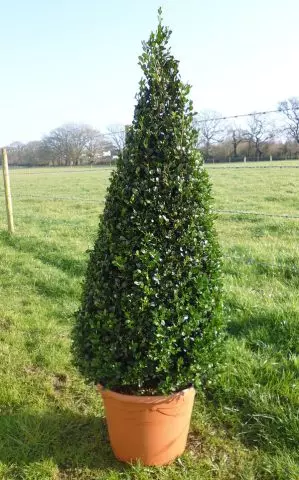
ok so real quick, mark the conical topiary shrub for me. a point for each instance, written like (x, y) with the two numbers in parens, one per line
(150, 319)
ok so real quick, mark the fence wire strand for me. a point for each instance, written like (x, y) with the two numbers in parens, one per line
(60, 198)
(20, 171)
(102, 202)
(261, 214)
(211, 166)
(248, 261)
(253, 261)
(57, 222)
(250, 168)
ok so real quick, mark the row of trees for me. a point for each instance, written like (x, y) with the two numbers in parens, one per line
(261, 136)
(70, 144)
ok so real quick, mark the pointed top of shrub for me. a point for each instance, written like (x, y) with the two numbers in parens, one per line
(150, 317)
(163, 115)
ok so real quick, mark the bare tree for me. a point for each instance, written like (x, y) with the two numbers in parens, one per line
(210, 128)
(259, 130)
(117, 136)
(70, 143)
(236, 136)
(95, 145)
(290, 109)
(16, 151)
(32, 154)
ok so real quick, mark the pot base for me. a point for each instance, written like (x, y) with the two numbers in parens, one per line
(152, 430)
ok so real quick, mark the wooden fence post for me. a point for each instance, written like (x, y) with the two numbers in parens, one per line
(7, 192)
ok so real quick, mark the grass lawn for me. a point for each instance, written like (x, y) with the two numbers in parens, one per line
(245, 426)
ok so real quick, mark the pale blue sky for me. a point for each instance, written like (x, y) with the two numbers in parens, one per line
(72, 60)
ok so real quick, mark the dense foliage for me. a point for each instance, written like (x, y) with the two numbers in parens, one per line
(150, 319)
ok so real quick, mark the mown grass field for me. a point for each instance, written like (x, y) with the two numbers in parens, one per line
(245, 426)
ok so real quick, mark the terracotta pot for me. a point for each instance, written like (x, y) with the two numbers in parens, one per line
(152, 430)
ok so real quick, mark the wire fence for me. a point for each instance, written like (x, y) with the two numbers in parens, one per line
(250, 261)
(20, 170)
(227, 117)
(61, 222)
(251, 114)
(260, 214)
(245, 260)
(96, 201)
(58, 198)
(74, 170)
(117, 137)
(253, 168)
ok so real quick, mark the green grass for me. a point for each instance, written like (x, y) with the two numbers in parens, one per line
(245, 426)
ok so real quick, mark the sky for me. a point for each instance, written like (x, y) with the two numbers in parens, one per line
(77, 61)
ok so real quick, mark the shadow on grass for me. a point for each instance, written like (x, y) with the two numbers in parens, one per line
(70, 440)
(284, 267)
(55, 290)
(282, 229)
(254, 397)
(46, 252)
(285, 270)
(278, 330)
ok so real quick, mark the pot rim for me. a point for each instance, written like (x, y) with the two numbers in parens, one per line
(144, 398)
